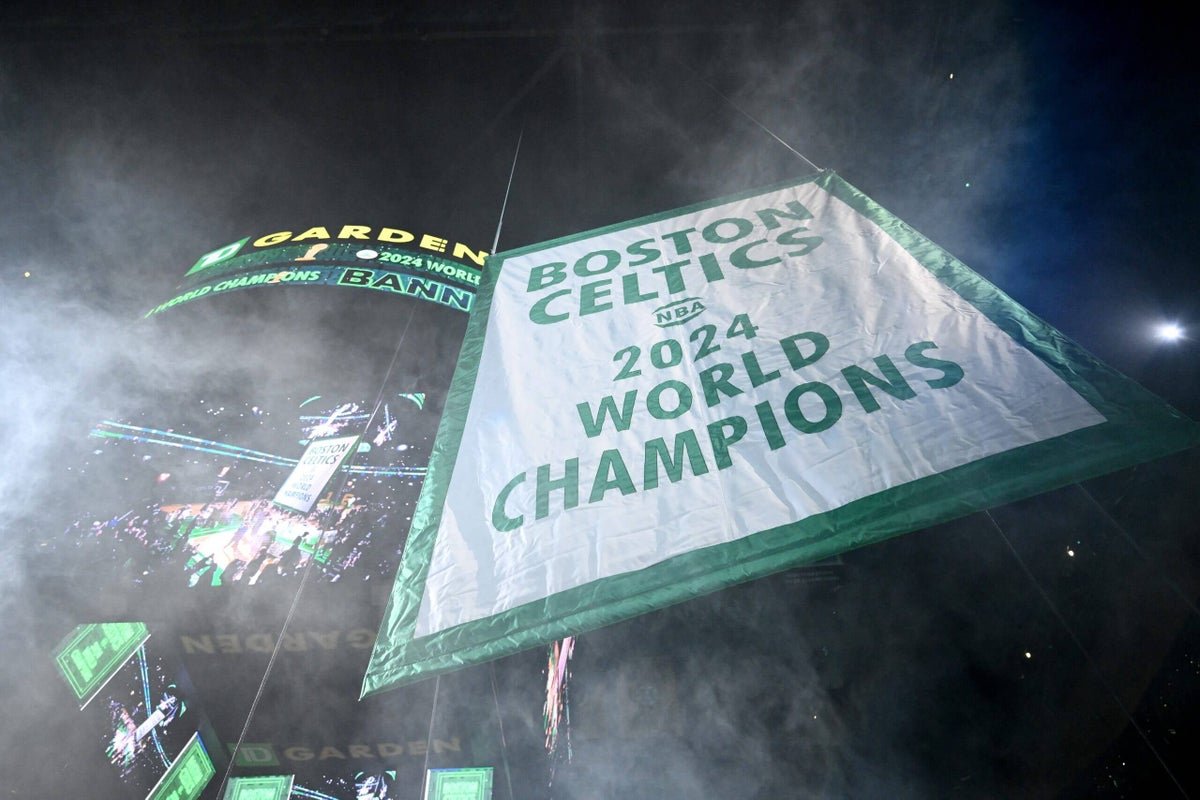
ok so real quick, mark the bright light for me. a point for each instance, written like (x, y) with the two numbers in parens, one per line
(1169, 332)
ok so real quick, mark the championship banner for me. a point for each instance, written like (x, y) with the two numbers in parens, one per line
(321, 459)
(668, 406)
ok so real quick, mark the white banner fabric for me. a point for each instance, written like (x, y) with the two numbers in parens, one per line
(849, 284)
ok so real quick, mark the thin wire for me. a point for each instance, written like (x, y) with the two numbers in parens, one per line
(745, 114)
(387, 375)
(345, 474)
(437, 684)
(1138, 549)
(507, 189)
(266, 674)
(1088, 656)
(503, 741)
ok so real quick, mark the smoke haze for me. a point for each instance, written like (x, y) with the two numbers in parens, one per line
(133, 144)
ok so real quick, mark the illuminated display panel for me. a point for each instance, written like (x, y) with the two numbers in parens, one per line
(202, 514)
(188, 775)
(425, 267)
(473, 783)
(262, 787)
(384, 760)
(93, 653)
(169, 512)
(142, 731)
(202, 469)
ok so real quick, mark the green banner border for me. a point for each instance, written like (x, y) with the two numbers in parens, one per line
(1139, 427)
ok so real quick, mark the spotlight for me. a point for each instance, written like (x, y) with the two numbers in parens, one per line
(1168, 332)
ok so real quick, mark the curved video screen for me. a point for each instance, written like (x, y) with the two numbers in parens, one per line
(179, 489)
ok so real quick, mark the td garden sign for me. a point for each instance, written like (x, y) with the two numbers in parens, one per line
(421, 265)
(675, 404)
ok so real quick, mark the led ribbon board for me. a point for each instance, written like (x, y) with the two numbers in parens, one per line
(669, 406)
(392, 260)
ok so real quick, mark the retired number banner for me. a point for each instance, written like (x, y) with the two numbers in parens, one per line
(671, 405)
